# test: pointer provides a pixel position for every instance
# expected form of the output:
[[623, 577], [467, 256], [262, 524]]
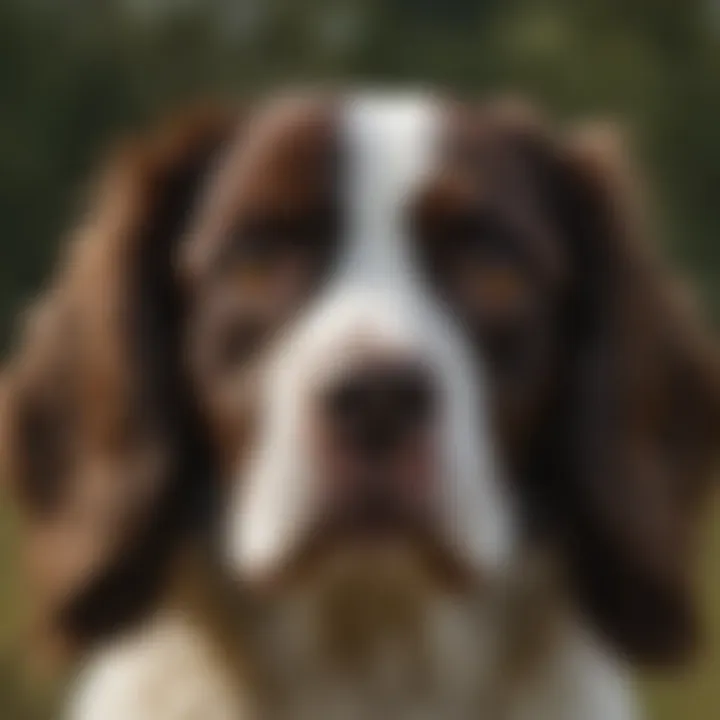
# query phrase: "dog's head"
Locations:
[[337, 327]]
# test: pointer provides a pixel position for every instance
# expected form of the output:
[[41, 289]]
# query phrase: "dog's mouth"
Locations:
[[375, 538]]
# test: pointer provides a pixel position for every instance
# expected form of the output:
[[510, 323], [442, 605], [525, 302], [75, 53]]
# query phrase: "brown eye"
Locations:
[[265, 244], [461, 246], [256, 258], [261, 249], [480, 237]]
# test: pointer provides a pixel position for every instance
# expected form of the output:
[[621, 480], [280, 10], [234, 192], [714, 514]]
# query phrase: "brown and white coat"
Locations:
[[363, 405]]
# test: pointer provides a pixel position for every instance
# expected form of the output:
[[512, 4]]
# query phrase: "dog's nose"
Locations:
[[375, 410]]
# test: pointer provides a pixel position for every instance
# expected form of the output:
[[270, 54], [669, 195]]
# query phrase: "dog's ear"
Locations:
[[638, 425], [101, 441]]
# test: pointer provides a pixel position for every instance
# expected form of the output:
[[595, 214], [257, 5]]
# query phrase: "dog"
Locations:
[[363, 405]]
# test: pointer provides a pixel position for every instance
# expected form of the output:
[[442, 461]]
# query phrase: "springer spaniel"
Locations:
[[363, 406]]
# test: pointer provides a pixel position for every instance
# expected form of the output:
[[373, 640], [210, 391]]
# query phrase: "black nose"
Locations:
[[376, 409]]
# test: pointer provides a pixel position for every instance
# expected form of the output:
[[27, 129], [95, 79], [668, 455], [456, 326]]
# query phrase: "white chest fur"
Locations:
[[171, 671]]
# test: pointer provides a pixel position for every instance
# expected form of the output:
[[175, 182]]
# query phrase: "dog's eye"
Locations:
[[265, 244], [255, 257], [257, 251], [481, 238], [485, 267]]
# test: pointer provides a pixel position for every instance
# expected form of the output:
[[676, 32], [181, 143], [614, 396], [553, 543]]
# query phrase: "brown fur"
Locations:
[[642, 415], [611, 432], [100, 435]]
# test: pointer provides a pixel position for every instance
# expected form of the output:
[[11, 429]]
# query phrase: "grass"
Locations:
[[695, 695]]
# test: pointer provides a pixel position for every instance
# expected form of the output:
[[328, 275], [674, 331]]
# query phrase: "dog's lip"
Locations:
[[390, 487], [375, 524]]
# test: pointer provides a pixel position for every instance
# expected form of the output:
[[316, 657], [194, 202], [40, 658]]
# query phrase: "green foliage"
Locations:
[[73, 73]]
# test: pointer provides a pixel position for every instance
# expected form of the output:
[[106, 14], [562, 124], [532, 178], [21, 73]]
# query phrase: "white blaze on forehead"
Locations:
[[376, 301], [390, 146]]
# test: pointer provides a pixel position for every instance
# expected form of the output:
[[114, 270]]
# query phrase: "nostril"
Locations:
[[415, 395], [346, 401]]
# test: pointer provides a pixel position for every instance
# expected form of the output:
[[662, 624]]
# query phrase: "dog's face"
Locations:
[[335, 270], [360, 325]]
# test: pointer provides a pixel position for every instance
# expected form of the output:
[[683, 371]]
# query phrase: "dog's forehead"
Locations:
[[320, 151], [288, 141], [293, 147], [390, 144], [284, 143]]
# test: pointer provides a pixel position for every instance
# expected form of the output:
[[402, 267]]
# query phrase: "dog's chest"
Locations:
[[390, 689], [408, 668], [359, 703]]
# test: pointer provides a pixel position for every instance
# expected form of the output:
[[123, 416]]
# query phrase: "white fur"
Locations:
[[164, 670], [377, 303], [168, 671], [580, 680]]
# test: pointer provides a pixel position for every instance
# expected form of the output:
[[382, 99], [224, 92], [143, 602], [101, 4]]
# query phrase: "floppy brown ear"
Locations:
[[639, 424], [102, 444]]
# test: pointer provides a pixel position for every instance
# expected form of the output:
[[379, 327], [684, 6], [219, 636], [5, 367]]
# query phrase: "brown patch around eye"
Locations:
[[253, 274], [261, 253], [498, 290]]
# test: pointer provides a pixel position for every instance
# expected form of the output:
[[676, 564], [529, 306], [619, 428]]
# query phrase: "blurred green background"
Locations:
[[74, 73]]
